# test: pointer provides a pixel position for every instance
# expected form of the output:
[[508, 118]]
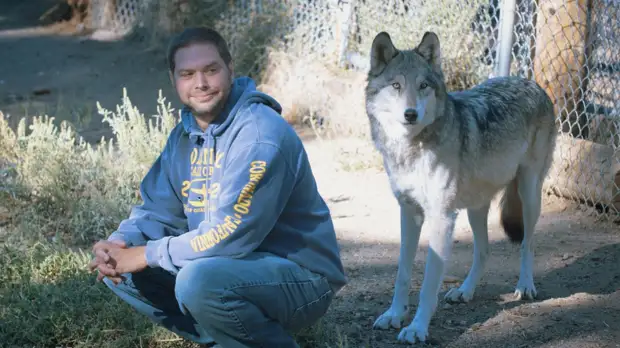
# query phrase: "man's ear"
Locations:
[[231, 68], [171, 76]]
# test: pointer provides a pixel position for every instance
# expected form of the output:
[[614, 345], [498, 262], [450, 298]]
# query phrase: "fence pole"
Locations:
[[345, 20], [506, 35]]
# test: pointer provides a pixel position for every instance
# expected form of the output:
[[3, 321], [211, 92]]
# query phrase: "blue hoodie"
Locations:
[[242, 185]]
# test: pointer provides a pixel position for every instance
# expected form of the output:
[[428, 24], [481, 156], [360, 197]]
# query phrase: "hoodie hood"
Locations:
[[242, 94]]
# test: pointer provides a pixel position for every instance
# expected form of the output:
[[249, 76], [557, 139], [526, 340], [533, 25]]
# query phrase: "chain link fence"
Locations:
[[576, 58], [570, 47]]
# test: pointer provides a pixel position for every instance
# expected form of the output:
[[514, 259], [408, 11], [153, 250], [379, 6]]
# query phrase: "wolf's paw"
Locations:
[[459, 295], [413, 333], [525, 290], [391, 318]]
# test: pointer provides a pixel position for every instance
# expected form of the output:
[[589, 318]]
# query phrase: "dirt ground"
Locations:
[[53, 70], [576, 257]]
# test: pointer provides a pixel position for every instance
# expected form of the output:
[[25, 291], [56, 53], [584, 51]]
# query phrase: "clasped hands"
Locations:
[[113, 258]]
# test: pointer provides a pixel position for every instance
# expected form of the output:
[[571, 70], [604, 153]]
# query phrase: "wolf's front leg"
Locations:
[[411, 220], [480, 228], [440, 228]]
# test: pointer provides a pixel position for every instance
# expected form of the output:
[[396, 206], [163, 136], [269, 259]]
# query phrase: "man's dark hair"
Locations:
[[197, 35]]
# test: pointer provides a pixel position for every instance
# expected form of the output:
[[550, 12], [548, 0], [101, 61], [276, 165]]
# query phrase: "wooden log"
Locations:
[[562, 34], [585, 170]]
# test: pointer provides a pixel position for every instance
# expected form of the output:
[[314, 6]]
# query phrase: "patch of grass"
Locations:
[[58, 195], [48, 299]]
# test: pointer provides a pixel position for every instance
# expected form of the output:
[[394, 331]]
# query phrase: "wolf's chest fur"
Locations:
[[417, 174], [436, 177]]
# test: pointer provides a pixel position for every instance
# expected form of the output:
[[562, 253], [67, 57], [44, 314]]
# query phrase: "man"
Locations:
[[233, 243]]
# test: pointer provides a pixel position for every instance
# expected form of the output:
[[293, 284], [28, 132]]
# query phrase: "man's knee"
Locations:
[[216, 286], [201, 283]]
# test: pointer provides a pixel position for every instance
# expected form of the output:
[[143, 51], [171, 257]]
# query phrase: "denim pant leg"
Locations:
[[151, 293], [256, 301]]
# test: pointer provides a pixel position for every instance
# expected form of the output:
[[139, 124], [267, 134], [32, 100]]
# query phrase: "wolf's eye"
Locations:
[[396, 85], [423, 85]]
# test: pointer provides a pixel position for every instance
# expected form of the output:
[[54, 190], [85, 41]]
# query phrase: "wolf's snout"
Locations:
[[411, 115]]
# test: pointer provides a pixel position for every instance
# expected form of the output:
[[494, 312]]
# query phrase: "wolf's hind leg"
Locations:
[[478, 220], [411, 220], [530, 192]]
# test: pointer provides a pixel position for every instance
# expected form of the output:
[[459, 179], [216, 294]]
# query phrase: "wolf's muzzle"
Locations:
[[411, 115]]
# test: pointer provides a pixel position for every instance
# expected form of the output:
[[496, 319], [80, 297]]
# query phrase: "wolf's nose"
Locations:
[[411, 115]]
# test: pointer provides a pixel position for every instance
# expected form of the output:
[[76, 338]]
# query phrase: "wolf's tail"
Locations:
[[511, 212]]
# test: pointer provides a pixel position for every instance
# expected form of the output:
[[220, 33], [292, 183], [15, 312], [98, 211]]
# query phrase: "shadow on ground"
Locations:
[[17, 14], [576, 275], [51, 70], [65, 77]]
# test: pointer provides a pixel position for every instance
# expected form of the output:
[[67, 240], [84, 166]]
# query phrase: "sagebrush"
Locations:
[[70, 189]]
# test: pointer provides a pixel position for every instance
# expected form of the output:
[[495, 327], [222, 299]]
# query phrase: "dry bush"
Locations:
[[70, 190], [328, 99], [308, 88]]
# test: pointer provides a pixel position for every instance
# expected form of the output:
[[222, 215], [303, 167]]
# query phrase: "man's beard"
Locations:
[[211, 109]]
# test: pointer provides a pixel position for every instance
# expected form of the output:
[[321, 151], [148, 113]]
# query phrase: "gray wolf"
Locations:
[[447, 151], [233, 243]]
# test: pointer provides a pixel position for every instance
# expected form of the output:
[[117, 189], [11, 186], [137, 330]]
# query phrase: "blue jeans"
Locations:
[[256, 301]]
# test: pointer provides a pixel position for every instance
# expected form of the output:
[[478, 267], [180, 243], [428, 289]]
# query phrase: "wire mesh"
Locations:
[[570, 47], [116, 15], [575, 53]]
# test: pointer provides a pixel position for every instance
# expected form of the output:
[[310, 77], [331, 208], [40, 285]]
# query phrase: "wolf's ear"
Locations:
[[430, 50], [381, 53]]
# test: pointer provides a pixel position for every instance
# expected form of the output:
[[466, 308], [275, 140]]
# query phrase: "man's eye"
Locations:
[[396, 85], [423, 85]]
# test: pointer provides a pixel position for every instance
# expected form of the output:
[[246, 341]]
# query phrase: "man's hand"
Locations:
[[128, 260], [102, 260]]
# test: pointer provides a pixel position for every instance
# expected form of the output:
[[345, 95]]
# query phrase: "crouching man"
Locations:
[[233, 244]]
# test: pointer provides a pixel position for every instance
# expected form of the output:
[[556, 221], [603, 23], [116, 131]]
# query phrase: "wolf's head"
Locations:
[[405, 89]]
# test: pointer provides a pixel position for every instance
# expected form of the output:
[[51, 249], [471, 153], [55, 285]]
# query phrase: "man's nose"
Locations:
[[201, 81]]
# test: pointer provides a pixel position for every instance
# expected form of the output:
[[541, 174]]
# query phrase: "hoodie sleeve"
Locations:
[[253, 192], [161, 212]]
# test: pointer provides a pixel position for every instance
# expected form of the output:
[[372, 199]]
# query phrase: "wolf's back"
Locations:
[[507, 99]]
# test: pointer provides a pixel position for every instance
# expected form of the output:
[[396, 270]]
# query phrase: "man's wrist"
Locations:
[[143, 261], [152, 252]]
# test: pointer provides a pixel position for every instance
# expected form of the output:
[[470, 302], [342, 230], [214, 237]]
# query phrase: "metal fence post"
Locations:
[[346, 8], [505, 37]]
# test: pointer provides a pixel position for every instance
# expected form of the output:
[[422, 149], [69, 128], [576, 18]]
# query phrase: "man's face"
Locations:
[[202, 79]]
